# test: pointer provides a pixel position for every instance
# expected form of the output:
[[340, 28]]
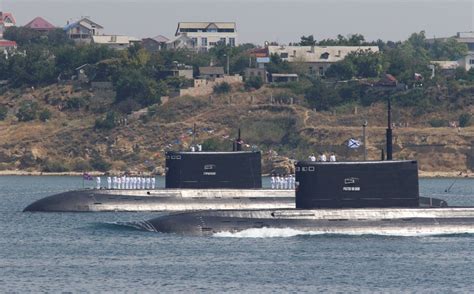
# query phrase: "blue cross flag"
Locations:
[[353, 143]]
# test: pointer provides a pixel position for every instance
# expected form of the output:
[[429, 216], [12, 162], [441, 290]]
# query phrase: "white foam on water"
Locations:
[[399, 232]]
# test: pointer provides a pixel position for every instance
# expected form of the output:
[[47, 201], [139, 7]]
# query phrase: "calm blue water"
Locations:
[[88, 252]]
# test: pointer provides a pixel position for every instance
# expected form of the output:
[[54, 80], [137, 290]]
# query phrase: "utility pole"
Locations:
[[389, 130], [228, 63], [364, 126]]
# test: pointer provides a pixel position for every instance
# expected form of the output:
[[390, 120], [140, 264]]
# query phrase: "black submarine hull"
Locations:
[[379, 221], [163, 200]]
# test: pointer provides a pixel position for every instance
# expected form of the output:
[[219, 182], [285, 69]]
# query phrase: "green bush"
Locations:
[[3, 112], [27, 111], [81, 165], [53, 166], [76, 103], [44, 115], [253, 83], [108, 123], [222, 88], [464, 120], [438, 123], [98, 163], [212, 144]]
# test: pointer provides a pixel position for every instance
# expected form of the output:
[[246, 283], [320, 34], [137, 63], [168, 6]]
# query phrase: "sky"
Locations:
[[258, 21]]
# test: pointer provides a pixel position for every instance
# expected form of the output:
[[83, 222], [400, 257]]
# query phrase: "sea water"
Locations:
[[92, 252]]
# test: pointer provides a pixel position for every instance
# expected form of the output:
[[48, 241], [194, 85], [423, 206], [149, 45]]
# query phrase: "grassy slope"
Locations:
[[70, 140]]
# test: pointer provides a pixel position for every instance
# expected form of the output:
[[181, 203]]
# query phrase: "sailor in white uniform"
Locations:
[[292, 182], [323, 157], [114, 182], [332, 158], [273, 181], [97, 180], [153, 183], [148, 182], [109, 183]]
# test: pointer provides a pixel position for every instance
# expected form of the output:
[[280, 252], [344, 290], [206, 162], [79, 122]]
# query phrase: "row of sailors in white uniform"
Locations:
[[322, 157], [283, 182], [128, 183]]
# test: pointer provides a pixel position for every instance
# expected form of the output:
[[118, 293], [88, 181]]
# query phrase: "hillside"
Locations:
[[68, 140]]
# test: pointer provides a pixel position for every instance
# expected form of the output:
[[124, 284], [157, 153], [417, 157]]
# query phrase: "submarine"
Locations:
[[193, 181], [364, 197]]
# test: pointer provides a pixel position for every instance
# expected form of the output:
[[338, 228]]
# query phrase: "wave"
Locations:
[[289, 232], [134, 225]]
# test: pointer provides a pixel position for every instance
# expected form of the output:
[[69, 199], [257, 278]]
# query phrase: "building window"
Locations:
[[321, 71], [284, 55], [325, 55], [203, 41], [195, 41], [222, 41], [232, 42], [212, 30]]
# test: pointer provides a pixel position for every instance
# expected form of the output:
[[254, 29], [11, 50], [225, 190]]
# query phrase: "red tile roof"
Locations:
[[9, 15], [40, 23], [7, 43]]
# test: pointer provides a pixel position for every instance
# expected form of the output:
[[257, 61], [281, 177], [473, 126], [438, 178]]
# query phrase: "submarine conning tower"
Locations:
[[361, 184], [214, 170]]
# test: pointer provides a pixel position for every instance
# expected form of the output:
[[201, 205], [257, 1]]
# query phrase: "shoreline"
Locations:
[[421, 174]]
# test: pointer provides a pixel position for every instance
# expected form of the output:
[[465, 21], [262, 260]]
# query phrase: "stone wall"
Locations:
[[204, 87]]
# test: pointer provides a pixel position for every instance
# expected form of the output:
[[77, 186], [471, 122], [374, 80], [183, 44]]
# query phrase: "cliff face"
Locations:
[[68, 140]]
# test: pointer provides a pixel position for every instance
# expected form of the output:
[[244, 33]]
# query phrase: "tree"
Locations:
[[449, 49], [133, 84], [307, 41], [3, 112], [321, 97], [253, 83], [222, 88], [367, 64], [343, 70], [27, 111], [44, 115]]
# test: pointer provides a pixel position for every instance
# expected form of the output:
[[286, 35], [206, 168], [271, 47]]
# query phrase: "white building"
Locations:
[[82, 31], [467, 62], [114, 41], [317, 59], [205, 35]]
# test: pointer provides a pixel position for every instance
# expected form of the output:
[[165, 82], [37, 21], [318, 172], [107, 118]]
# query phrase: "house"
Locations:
[[284, 78], [116, 42], [6, 20], [467, 62], [40, 24], [446, 68], [82, 31], [387, 80], [205, 35], [7, 47], [211, 72], [155, 44], [181, 42], [316, 59], [250, 73]]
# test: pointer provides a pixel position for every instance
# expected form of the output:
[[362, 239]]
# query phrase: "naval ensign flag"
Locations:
[[353, 143]]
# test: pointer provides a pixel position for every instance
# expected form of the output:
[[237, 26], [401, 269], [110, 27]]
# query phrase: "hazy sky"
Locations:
[[260, 20]]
